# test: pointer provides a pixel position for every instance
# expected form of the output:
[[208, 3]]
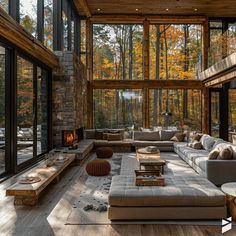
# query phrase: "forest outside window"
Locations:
[[180, 108], [117, 52], [117, 108], [175, 51], [4, 4]]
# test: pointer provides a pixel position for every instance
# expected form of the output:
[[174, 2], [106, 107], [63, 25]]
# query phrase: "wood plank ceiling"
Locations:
[[209, 8]]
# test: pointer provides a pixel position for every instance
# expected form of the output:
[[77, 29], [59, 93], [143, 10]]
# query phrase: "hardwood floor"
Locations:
[[49, 216]]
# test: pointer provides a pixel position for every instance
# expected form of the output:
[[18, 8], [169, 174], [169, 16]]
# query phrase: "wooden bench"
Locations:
[[28, 194]]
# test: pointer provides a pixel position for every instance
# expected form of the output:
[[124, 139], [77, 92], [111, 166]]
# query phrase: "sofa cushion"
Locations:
[[226, 153], [201, 162], [148, 136], [179, 191], [166, 135], [89, 133], [207, 142], [114, 137]]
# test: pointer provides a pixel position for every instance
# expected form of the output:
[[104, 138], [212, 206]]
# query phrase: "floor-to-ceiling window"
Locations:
[[2, 110], [25, 113], [215, 113]]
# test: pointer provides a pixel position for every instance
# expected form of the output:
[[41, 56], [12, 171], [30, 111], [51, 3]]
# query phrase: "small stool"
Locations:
[[104, 152], [98, 168]]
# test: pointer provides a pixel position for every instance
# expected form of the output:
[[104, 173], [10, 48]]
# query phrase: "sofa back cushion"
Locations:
[[148, 136], [207, 142], [166, 135], [89, 133]]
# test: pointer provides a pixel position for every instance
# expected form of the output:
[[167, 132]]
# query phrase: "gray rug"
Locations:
[[94, 197]]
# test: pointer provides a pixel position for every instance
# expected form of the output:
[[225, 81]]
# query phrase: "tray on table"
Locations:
[[149, 178]]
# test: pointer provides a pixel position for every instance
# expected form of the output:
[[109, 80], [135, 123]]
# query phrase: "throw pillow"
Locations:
[[207, 142], [146, 129], [213, 154], [98, 135], [226, 153], [195, 136], [179, 137], [196, 145], [104, 136], [114, 137]]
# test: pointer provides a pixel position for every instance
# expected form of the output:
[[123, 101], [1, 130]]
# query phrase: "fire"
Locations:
[[70, 138]]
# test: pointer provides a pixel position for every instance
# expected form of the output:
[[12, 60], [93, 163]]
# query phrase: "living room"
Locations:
[[117, 117]]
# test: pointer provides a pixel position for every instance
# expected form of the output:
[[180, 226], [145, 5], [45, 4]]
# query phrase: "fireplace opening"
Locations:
[[71, 137]]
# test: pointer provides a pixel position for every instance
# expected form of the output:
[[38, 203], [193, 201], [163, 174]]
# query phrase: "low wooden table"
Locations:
[[152, 165], [28, 194], [230, 190], [150, 160]]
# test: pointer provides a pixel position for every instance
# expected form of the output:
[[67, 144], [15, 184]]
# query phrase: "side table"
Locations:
[[230, 190]]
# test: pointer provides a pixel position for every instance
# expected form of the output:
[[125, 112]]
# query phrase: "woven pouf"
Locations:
[[104, 152], [98, 168]]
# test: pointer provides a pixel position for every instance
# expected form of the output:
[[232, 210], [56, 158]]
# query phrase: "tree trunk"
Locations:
[[186, 68], [156, 92]]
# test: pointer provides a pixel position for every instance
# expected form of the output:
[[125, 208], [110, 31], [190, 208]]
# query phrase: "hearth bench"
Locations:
[[28, 194]]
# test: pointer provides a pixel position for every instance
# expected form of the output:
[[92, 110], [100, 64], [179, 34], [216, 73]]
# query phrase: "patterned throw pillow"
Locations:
[[179, 137], [213, 154], [226, 153]]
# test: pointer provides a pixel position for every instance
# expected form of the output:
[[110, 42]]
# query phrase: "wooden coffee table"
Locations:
[[230, 190], [150, 160], [152, 165]]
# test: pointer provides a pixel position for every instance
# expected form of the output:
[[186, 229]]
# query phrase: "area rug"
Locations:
[[90, 208]]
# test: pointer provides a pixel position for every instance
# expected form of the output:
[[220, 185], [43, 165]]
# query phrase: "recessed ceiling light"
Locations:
[[195, 9], [99, 9], [136, 9], [167, 9]]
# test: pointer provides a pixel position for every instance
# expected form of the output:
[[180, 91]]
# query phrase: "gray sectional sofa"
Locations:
[[217, 171]]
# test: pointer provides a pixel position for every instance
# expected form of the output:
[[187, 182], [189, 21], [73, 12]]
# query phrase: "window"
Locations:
[[175, 52], [65, 25], [42, 111], [117, 108], [117, 52], [4, 4], [83, 41], [28, 16], [25, 116], [48, 24], [175, 107], [2, 110]]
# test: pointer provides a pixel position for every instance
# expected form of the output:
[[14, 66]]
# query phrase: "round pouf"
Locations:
[[104, 152], [98, 168]]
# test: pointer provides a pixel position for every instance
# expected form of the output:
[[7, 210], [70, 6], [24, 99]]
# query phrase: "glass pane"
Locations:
[[117, 52], [216, 24], [231, 38], [48, 24], [215, 114], [117, 108], [83, 35], [175, 52], [176, 108], [28, 15], [42, 111], [24, 110], [65, 25], [5, 5], [232, 115], [2, 110]]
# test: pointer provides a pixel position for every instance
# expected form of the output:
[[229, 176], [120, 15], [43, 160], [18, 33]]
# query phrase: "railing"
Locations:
[[222, 46]]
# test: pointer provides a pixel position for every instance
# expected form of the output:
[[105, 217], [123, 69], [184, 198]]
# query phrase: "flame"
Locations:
[[70, 138]]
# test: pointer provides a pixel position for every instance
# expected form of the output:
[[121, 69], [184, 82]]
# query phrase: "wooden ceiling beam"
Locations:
[[82, 4], [18, 36], [151, 18], [151, 84]]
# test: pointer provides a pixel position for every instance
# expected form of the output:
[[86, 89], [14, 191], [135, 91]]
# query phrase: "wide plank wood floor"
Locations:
[[49, 216]]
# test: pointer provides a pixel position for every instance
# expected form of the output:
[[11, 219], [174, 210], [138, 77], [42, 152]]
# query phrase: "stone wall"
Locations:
[[69, 89]]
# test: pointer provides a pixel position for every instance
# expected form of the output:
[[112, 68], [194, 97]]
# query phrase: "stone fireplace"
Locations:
[[69, 89]]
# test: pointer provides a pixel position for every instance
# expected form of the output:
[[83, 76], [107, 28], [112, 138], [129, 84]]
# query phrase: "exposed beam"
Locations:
[[84, 6], [153, 19], [151, 84], [17, 35]]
